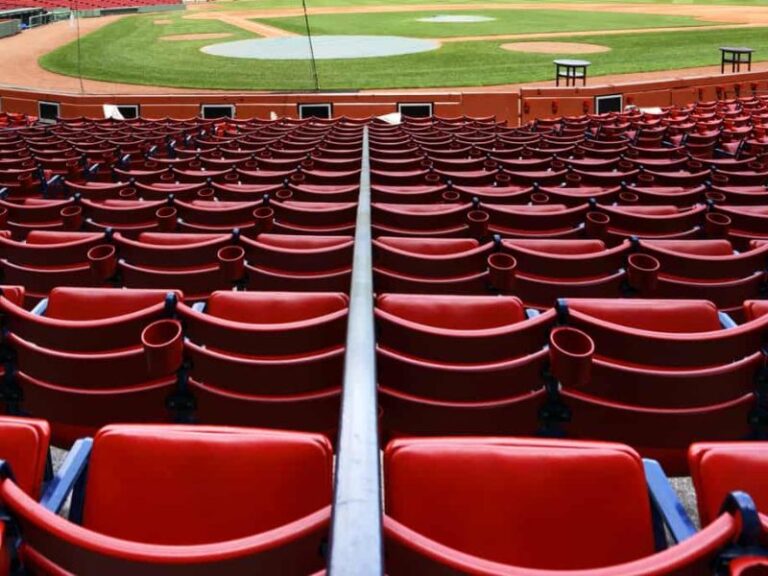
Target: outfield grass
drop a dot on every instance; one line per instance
(505, 22)
(262, 4)
(128, 51)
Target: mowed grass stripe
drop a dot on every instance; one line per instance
(504, 22)
(128, 51)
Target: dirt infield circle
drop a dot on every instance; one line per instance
(554, 47)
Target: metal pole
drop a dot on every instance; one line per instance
(312, 64)
(356, 537)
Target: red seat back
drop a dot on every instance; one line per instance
(677, 316)
(509, 500)
(719, 468)
(24, 445)
(452, 312)
(274, 307)
(195, 485)
(99, 303)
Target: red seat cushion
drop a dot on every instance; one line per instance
(454, 312)
(274, 307)
(720, 468)
(754, 309)
(176, 239)
(194, 485)
(14, 293)
(430, 246)
(99, 303)
(677, 316)
(24, 444)
(526, 502)
(693, 247)
(559, 247)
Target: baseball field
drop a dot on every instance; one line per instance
(264, 44)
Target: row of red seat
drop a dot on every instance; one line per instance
(85, 358)
(654, 374)
(195, 263)
(541, 271)
(487, 506)
(447, 364)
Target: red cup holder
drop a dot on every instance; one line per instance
(756, 166)
(477, 220)
(166, 177)
(573, 179)
(645, 179)
(103, 261)
(232, 262)
(72, 217)
(163, 344)
(231, 178)
(628, 198)
(570, 356)
(283, 194)
(558, 164)
(450, 196)
(715, 196)
(298, 178)
(264, 217)
(694, 165)
(596, 224)
(166, 218)
(625, 165)
(432, 179)
(501, 271)
(195, 164)
(206, 194)
(127, 194)
(150, 165)
(251, 165)
(308, 164)
(717, 225)
(426, 163)
(643, 272)
(490, 165)
(526, 153)
(719, 179)
(539, 198)
(502, 178)
(749, 566)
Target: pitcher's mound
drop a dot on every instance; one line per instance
(209, 36)
(555, 47)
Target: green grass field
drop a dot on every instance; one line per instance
(505, 22)
(260, 4)
(129, 51)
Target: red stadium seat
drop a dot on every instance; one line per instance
(474, 506)
(137, 518)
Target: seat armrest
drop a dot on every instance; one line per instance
(63, 483)
(666, 504)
